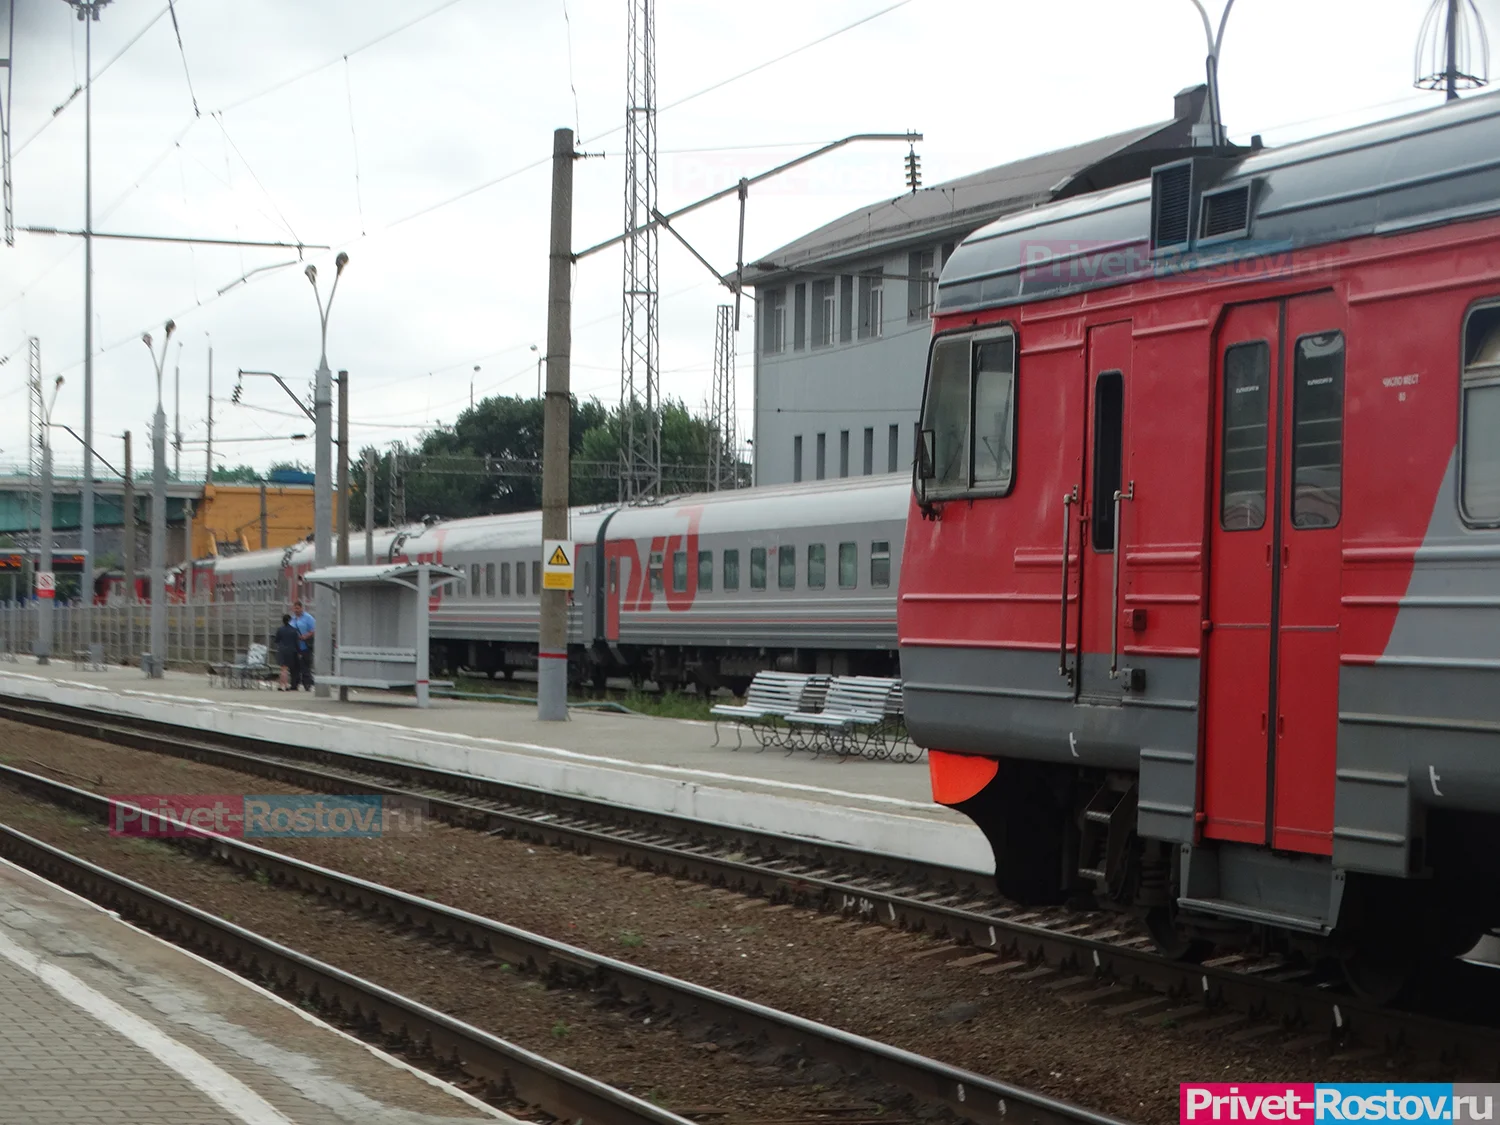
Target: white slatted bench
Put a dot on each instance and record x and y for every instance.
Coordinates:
(853, 712)
(250, 670)
(772, 695)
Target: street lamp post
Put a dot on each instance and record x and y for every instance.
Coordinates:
(540, 359)
(323, 480)
(158, 514)
(46, 597)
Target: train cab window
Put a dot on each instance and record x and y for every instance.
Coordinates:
(757, 568)
(945, 414)
(505, 580)
(679, 572)
(786, 568)
(848, 566)
(817, 566)
(1479, 479)
(489, 580)
(536, 575)
(880, 564)
(1247, 403)
(520, 580)
(653, 571)
(475, 587)
(994, 412)
(732, 570)
(1109, 422)
(1318, 430)
(705, 571)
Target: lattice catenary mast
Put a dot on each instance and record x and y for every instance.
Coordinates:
(9, 6)
(640, 391)
(724, 456)
(36, 436)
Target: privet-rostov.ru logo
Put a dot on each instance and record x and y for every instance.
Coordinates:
(1204, 1102)
(166, 815)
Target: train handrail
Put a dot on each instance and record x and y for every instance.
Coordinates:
(1114, 620)
(1069, 499)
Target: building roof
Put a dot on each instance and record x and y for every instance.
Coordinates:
(969, 202)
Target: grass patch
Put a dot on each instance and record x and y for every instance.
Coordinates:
(632, 939)
(561, 1030)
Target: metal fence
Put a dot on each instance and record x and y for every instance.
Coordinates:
(197, 634)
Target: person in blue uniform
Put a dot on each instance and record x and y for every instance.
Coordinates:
(307, 628)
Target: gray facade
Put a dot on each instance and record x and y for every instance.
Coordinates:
(843, 314)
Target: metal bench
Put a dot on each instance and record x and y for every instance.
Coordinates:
(850, 718)
(771, 697)
(250, 670)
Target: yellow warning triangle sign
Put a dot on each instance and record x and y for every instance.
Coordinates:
(558, 558)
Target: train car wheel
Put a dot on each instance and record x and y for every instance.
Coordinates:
(1172, 939)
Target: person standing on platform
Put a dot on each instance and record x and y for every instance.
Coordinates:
(307, 628)
(287, 641)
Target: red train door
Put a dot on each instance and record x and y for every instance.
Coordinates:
(1107, 440)
(1271, 721)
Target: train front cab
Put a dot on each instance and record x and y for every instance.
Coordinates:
(1199, 609)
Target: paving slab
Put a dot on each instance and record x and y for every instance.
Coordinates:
(662, 765)
(103, 1023)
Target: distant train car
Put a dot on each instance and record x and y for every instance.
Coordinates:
(1202, 574)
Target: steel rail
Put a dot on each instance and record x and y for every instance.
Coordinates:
(966, 1093)
(519, 1073)
(828, 877)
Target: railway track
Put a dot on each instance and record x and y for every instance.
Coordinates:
(1114, 963)
(969, 1096)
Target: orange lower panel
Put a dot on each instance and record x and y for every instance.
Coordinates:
(957, 777)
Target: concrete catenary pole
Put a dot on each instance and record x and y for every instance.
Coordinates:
(46, 598)
(323, 483)
(343, 496)
(264, 531)
(370, 505)
(159, 515)
(127, 513)
(208, 468)
(552, 649)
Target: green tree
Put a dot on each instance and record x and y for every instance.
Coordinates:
(240, 474)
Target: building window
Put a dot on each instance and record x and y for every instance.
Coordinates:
(797, 458)
(869, 450)
(799, 312)
(843, 453)
(824, 310)
(1479, 465)
(489, 580)
(848, 566)
(846, 308)
(705, 571)
(871, 304)
(773, 321)
(732, 570)
(994, 412)
(1318, 430)
(893, 448)
(679, 572)
(1244, 448)
(786, 568)
(947, 252)
(817, 566)
(820, 460)
(653, 571)
(921, 285)
(757, 568)
(880, 564)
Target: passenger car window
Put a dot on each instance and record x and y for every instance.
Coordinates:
(946, 413)
(994, 412)
(520, 580)
(1247, 405)
(817, 566)
(757, 568)
(731, 570)
(848, 566)
(505, 580)
(489, 580)
(536, 575)
(1318, 430)
(475, 589)
(705, 571)
(1479, 489)
(786, 568)
(653, 569)
(679, 571)
(880, 564)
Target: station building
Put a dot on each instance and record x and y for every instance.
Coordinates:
(843, 313)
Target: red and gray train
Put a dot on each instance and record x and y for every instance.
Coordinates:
(1200, 600)
(705, 589)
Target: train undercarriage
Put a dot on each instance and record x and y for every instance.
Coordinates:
(1068, 835)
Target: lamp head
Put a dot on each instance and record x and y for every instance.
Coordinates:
(57, 383)
(312, 273)
(146, 338)
(533, 347)
(340, 262)
(171, 327)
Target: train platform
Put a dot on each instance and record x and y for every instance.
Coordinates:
(662, 765)
(103, 1022)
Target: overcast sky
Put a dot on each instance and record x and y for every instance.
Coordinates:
(425, 156)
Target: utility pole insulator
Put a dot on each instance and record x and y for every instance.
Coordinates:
(913, 170)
